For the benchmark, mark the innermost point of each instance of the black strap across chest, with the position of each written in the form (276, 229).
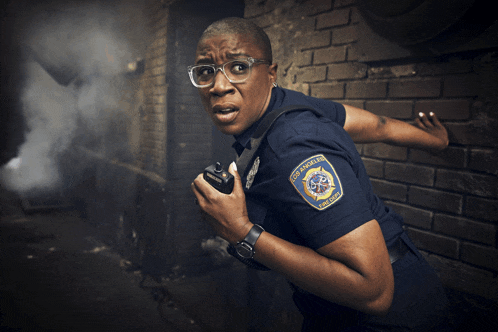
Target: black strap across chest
(248, 154)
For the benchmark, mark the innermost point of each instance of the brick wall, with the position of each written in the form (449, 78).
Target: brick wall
(176, 133)
(153, 92)
(449, 200)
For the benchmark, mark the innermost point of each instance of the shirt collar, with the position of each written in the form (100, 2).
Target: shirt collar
(243, 140)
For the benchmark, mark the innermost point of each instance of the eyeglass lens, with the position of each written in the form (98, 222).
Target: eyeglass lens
(236, 71)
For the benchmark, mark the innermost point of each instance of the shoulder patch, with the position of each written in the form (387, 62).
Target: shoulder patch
(317, 182)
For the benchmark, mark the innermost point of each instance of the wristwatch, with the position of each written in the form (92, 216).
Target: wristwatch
(245, 248)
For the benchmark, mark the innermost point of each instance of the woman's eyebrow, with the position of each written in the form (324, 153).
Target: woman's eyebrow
(204, 61)
(237, 55)
(209, 60)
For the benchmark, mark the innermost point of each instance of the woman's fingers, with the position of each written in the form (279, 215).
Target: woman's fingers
(425, 120)
(435, 120)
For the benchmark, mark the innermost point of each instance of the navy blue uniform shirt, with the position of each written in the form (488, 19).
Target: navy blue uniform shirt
(311, 187)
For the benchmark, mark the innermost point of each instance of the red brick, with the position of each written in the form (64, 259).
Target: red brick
(346, 35)
(329, 55)
(434, 243)
(480, 255)
(332, 19)
(445, 109)
(293, 25)
(158, 71)
(159, 99)
(160, 112)
(158, 52)
(328, 90)
(355, 103)
(313, 7)
(389, 190)
(467, 182)
(473, 133)
(347, 70)
(482, 208)
(355, 16)
(312, 74)
(392, 71)
(413, 216)
(415, 89)
(368, 90)
(154, 126)
(385, 151)
(485, 160)
(467, 85)
(409, 173)
(463, 277)
(303, 58)
(304, 88)
(159, 80)
(159, 42)
(314, 40)
(451, 156)
(374, 167)
(465, 228)
(352, 54)
(392, 109)
(160, 90)
(265, 21)
(435, 199)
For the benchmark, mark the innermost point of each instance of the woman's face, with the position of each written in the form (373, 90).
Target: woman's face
(234, 107)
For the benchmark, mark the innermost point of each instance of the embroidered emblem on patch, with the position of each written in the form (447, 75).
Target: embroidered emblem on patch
(316, 180)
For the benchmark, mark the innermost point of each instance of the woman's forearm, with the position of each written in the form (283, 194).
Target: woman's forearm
(366, 127)
(364, 287)
(401, 133)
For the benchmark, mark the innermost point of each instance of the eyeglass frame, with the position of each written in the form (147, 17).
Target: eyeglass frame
(221, 68)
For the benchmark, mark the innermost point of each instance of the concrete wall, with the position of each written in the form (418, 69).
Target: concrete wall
(449, 200)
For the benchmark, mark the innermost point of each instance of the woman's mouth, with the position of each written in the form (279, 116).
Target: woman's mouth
(225, 115)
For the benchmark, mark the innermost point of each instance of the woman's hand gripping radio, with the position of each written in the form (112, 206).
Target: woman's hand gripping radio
(220, 179)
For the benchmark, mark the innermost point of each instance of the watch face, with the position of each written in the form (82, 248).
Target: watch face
(244, 250)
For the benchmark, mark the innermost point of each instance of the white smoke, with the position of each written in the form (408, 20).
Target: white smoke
(49, 110)
(76, 57)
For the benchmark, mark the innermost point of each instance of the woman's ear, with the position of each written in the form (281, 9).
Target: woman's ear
(272, 71)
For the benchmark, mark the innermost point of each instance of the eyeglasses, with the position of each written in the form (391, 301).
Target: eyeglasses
(239, 70)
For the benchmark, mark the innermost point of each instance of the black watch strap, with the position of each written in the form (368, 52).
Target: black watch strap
(245, 248)
(253, 235)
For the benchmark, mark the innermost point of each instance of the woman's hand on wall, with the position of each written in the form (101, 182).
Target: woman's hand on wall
(432, 126)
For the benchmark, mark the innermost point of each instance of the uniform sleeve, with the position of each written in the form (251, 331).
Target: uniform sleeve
(332, 110)
(318, 187)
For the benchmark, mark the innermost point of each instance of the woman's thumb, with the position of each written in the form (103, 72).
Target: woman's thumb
(233, 169)
(237, 183)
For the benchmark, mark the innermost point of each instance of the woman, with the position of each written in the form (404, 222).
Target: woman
(307, 210)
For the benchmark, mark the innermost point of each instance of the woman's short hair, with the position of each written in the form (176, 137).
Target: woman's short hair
(238, 25)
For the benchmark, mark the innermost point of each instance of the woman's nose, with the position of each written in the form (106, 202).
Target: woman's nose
(221, 84)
